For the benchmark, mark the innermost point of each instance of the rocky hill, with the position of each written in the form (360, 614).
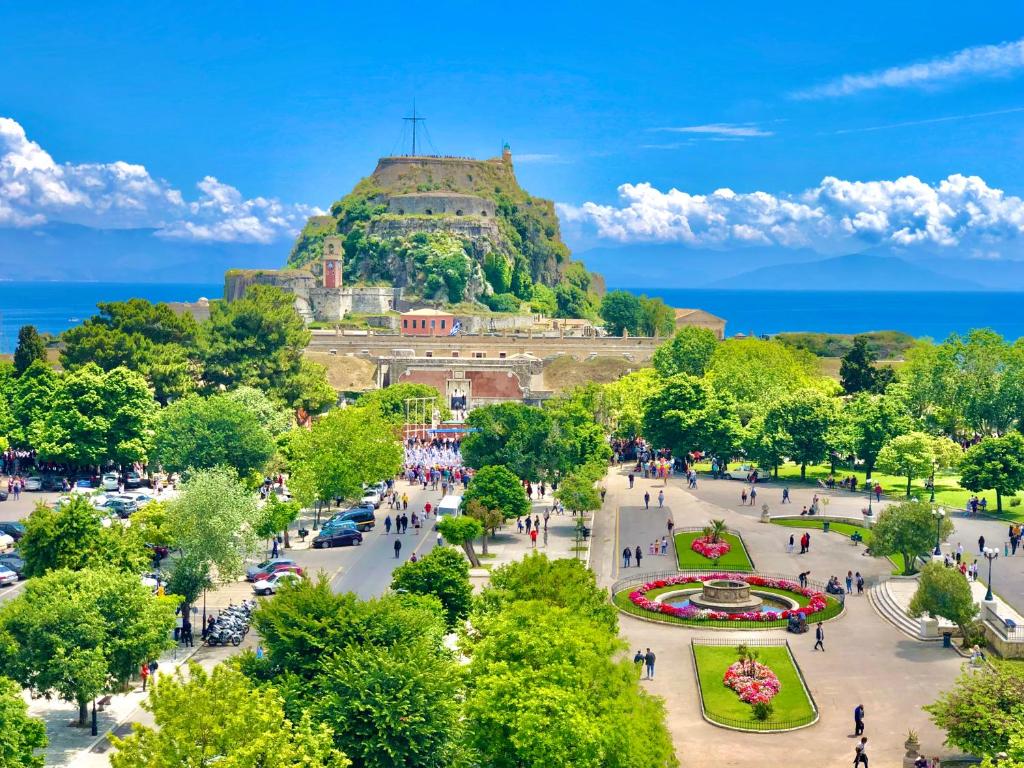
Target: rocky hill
(452, 229)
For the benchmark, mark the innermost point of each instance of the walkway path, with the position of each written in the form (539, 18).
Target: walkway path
(867, 661)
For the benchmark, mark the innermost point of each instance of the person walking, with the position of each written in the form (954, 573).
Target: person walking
(144, 674)
(638, 663)
(533, 538)
(664, 545)
(529, 524)
(858, 720)
(819, 637)
(627, 555)
(743, 496)
(398, 548)
(849, 582)
(661, 499)
(807, 542)
(860, 756)
(649, 663)
(753, 495)
(785, 496)
(631, 479)
(387, 525)
(647, 500)
(981, 545)
(860, 583)
(274, 550)
(637, 555)
(670, 525)
(791, 545)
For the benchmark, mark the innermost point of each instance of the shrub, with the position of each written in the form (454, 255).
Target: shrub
(763, 710)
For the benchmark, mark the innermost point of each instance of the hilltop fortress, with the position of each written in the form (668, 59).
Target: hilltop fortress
(425, 229)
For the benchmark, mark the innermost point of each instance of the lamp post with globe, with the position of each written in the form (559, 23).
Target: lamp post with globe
(990, 553)
(938, 514)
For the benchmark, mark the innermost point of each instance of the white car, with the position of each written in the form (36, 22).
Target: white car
(272, 583)
(34, 483)
(7, 576)
(6, 542)
(372, 498)
(110, 481)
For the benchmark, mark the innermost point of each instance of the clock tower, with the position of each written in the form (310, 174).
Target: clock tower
(332, 262)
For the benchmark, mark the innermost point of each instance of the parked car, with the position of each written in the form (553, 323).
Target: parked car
(337, 537)
(13, 561)
(744, 471)
(372, 498)
(252, 570)
(6, 542)
(7, 577)
(52, 483)
(134, 480)
(33, 483)
(122, 507)
(278, 568)
(109, 481)
(14, 529)
(336, 523)
(274, 582)
(361, 516)
(82, 486)
(3, 495)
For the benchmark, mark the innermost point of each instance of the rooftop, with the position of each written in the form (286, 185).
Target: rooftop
(427, 313)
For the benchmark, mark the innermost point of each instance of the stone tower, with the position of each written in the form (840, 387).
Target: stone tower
(332, 261)
(506, 153)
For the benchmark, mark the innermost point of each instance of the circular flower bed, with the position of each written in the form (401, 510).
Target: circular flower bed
(710, 549)
(817, 601)
(753, 681)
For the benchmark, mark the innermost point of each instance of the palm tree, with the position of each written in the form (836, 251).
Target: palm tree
(716, 530)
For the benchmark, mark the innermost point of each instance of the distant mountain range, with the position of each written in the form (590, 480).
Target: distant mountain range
(69, 252)
(672, 266)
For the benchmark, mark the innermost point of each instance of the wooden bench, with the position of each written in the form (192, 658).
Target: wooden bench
(103, 703)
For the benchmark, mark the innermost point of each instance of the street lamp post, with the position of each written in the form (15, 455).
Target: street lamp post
(938, 514)
(932, 499)
(867, 486)
(990, 553)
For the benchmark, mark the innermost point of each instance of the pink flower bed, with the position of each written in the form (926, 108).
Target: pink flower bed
(759, 687)
(710, 549)
(816, 600)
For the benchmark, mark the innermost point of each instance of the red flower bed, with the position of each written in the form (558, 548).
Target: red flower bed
(757, 688)
(710, 549)
(816, 600)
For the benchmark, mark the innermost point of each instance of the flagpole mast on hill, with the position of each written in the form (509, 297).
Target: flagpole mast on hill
(414, 120)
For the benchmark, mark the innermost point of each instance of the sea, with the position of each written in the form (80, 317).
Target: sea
(55, 306)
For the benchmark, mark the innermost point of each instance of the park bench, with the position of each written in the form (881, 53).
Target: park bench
(103, 703)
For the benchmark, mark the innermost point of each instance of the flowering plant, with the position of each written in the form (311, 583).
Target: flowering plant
(753, 681)
(710, 549)
(816, 600)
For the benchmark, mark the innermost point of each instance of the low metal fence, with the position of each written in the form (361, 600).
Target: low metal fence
(770, 723)
(1008, 629)
(730, 531)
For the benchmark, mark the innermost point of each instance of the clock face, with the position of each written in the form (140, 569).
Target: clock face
(330, 266)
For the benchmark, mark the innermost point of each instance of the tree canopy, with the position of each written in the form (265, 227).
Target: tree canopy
(907, 529)
(982, 712)
(995, 463)
(442, 572)
(945, 592)
(496, 487)
(689, 351)
(22, 736)
(917, 454)
(31, 347)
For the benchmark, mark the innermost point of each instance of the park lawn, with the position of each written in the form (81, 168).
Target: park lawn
(792, 707)
(843, 529)
(947, 487)
(622, 601)
(736, 559)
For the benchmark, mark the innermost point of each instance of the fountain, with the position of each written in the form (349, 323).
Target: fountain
(729, 595)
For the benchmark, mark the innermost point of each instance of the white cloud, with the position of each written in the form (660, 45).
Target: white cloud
(35, 189)
(981, 61)
(733, 130)
(833, 216)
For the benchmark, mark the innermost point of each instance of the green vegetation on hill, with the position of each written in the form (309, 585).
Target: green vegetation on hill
(885, 345)
(521, 259)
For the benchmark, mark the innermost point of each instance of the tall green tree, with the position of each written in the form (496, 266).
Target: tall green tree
(981, 713)
(857, 371)
(689, 351)
(22, 736)
(688, 414)
(391, 401)
(659, 319)
(274, 418)
(513, 435)
(460, 531)
(945, 592)
(804, 418)
(74, 537)
(577, 492)
(213, 521)
(202, 432)
(622, 313)
(907, 529)
(496, 487)
(32, 399)
(917, 454)
(257, 340)
(442, 572)
(340, 453)
(874, 420)
(221, 717)
(77, 634)
(31, 347)
(996, 463)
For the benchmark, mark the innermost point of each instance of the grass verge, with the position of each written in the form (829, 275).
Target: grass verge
(736, 559)
(791, 706)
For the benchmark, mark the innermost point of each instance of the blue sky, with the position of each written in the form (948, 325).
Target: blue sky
(280, 110)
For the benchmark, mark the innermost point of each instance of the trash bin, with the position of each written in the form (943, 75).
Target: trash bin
(947, 639)
(824, 526)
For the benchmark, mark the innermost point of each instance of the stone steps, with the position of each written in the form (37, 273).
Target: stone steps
(887, 607)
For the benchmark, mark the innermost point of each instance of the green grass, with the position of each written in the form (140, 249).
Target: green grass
(947, 487)
(621, 601)
(791, 705)
(736, 559)
(844, 529)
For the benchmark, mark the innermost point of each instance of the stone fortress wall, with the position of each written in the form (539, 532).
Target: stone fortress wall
(439, 204)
